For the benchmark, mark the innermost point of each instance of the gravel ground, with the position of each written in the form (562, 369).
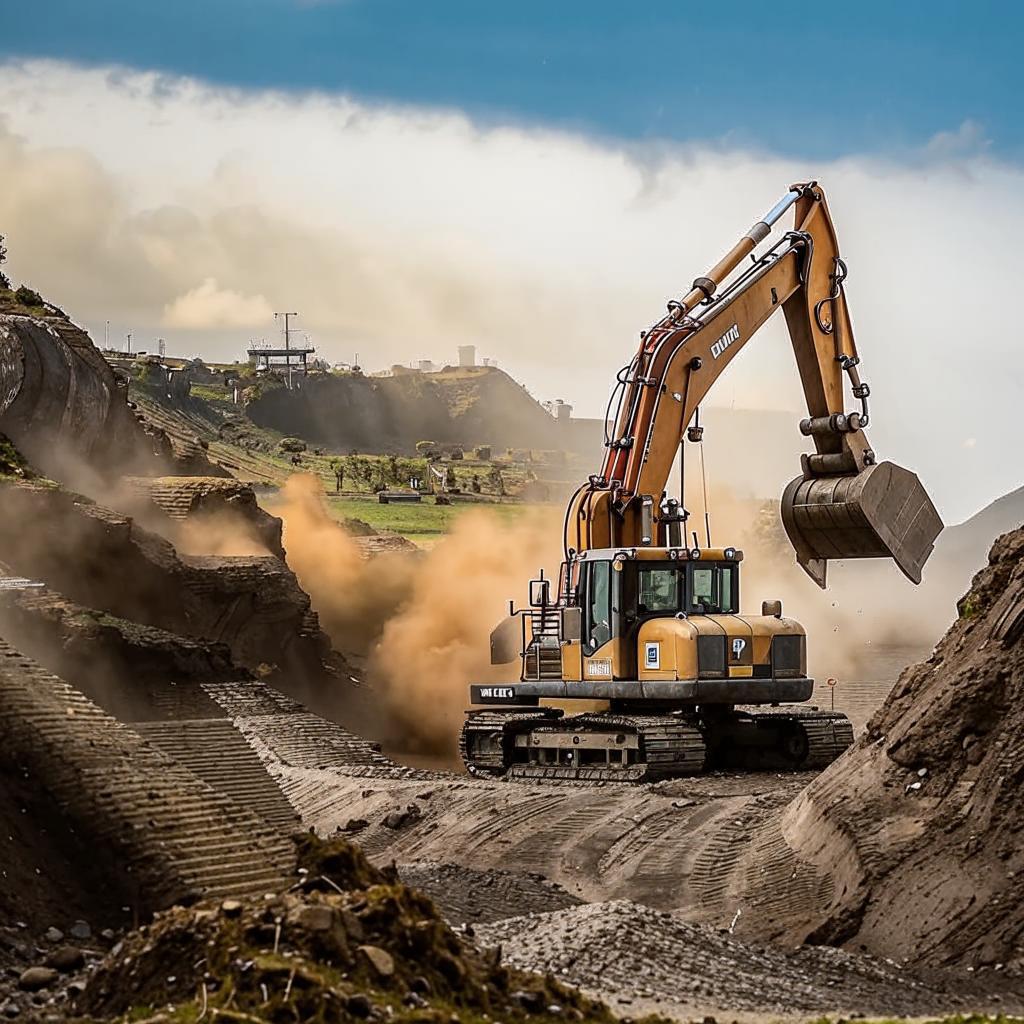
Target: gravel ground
(466, 895)
(645, 960)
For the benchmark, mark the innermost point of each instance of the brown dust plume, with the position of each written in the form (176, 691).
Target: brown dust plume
(422, 621)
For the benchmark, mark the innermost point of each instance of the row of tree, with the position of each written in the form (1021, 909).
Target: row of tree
(361, 472)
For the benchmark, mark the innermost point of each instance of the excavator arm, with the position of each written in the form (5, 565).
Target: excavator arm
(844, 504)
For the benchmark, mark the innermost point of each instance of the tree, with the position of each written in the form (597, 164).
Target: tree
(4, 282)
(339, 474)
(494, 478)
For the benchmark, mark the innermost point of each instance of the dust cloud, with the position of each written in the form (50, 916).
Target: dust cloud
(353, 597)
(421, 621)
(428, 654)
(224, 532)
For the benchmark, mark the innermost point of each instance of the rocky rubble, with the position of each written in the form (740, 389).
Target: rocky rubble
(45, 974)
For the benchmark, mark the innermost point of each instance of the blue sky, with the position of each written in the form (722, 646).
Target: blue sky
(811, 80)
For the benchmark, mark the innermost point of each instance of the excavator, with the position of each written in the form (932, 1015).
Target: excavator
(648, 623)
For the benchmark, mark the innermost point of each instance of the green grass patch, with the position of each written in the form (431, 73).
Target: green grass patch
(423, 523)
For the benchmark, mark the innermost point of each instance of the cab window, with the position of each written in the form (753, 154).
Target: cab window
(600, 605)
(713, 590)
(727, 597)
(704, 587)
(659, 590)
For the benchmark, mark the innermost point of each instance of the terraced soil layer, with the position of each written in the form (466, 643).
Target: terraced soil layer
(105, 561)
(164, 835)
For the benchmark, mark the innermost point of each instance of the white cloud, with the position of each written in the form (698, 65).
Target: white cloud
(400, 233)
(209, 306)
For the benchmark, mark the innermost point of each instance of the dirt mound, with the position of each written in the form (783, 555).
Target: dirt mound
(921, 825)
(366, 947)
(213, 515)
(632, 954)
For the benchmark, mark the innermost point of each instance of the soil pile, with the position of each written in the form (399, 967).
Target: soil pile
(920, 826)
(350, 942)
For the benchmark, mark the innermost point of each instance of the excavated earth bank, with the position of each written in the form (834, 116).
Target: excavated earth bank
(103, 560)
(66, 409)
(919, 828)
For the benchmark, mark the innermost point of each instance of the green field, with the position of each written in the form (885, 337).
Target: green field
(423, 523)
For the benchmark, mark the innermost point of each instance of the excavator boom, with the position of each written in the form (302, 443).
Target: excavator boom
(844, 504)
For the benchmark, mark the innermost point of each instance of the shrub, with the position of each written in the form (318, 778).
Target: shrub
(26, 297)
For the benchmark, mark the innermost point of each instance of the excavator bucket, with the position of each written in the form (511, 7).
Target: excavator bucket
(882, 512)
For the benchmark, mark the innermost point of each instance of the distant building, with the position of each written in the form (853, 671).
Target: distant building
(467, 355)
(560, 410)
(288, 360)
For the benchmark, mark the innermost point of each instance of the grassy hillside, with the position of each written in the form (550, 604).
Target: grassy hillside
(467, 406)
(209, 423)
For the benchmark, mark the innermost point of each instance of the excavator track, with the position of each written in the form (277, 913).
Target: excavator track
(828, 734)
(487, 737)
(666, 746)
(779, 739)
(538, 744)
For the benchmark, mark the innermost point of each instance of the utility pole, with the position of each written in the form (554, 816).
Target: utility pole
(106, 335)
(287, 343)
(129, 343)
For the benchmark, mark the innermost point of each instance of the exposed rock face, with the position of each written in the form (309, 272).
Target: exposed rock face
(62, 405)
(920, 826)
(104, 561)
(217, 501)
